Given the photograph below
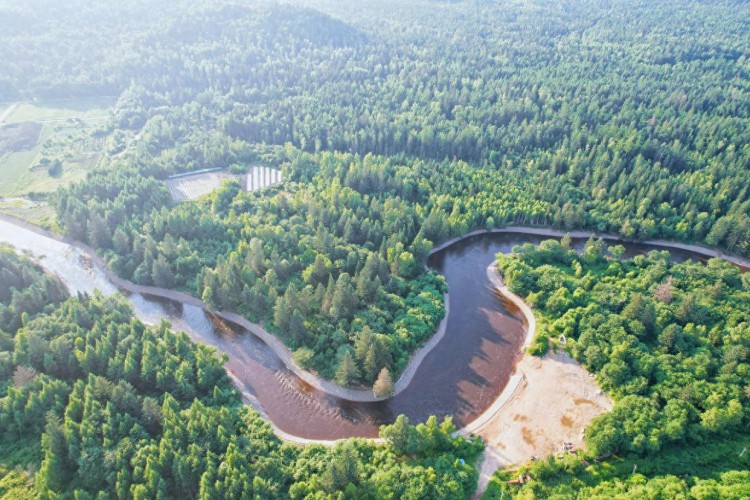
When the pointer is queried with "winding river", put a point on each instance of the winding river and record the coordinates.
(461, 375)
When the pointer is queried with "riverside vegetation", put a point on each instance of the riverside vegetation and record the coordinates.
(498, 132)
(93, 402)
(671, 343)
(441, 117)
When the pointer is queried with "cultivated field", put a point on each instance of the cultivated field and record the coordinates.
(35, 134)
(87, 110)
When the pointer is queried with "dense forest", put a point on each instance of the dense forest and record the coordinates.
(670, 342)
(397, 124)
(399, 138)
(630, 120)
(93, 402)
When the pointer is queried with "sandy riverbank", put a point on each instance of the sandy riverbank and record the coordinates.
(548, 402)
(272, 341)
(555, 401)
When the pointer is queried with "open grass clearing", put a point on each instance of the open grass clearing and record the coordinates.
(36, 212)
(66, 132)
(18, 177)
(19, 136)
(94, 109)
(16, 174)
(19, 460)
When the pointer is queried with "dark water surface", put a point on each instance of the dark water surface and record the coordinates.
(461, 376)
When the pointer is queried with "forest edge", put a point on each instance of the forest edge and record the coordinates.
(359, 395)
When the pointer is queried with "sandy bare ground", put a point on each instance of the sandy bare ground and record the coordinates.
(194, 186)
(555, 401)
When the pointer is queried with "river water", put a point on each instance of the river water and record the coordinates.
(460, 377)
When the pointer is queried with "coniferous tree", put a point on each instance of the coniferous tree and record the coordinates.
(383, 386)
(347, 372)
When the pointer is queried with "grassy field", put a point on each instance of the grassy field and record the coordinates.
(18, 462)
(36, 212)
(68, 135)
(43, 111)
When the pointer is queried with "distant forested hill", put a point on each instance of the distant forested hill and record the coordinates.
(633, 115)
(437, 119)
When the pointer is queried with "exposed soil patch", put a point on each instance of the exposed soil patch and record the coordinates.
(566, 421)
(528, 438)
(194, 186)
(552, 406)
(19, 136)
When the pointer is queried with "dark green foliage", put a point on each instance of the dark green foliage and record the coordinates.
(347, 371)
(24, 288)
(434, 466)
(134, 411)
(313, 262)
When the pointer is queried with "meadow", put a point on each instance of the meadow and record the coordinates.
(70, 133)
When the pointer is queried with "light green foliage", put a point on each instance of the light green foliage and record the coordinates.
(430, 466)
(678, 369)
(713, 469)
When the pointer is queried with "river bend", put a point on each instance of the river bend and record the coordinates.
(461, 376)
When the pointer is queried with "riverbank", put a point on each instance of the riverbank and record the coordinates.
(284, 354)
(517, 378)
(555, 402)
(96, 267)
(557, 233)
(549, 402)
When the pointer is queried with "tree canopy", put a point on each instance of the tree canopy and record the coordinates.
(95, 403)
(677, 364)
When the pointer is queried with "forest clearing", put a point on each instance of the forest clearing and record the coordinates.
(48, 144)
